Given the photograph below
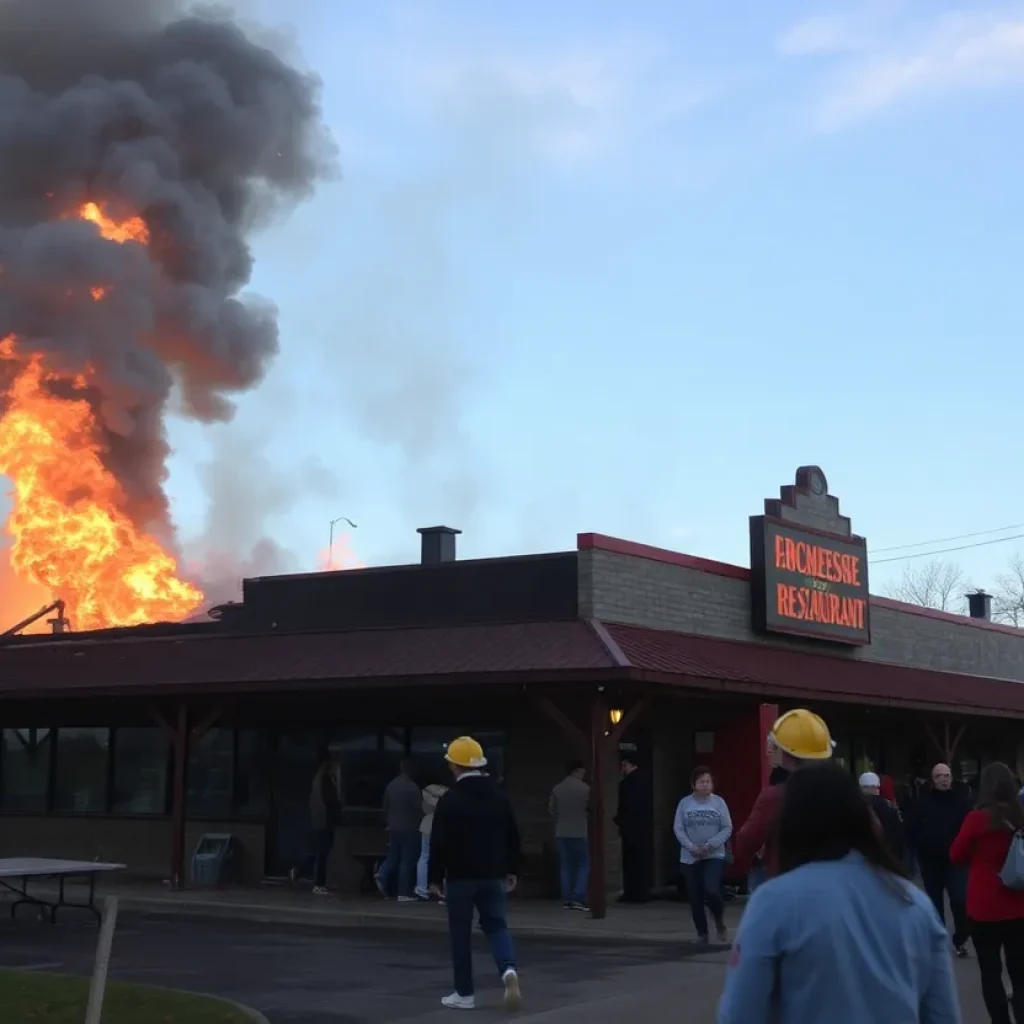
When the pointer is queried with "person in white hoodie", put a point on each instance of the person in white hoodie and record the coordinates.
(703, 826)
(431, 794)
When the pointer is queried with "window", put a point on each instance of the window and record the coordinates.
(252, 761)
(369, 760)
(211, 774)
(82, 770)
(141, 759)
(26, 769)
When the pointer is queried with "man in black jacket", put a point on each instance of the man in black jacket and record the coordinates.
(634, 818)
(475, 850)
(936, 819)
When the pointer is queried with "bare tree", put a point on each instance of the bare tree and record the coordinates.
(1008, 596)
(936, 584)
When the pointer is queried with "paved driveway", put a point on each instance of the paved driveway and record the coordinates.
(300, 975)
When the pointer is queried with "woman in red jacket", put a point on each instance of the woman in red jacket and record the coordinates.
(996, 913)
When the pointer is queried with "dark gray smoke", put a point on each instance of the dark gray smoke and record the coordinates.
(183, 120)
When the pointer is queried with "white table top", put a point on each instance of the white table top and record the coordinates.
(41, 867)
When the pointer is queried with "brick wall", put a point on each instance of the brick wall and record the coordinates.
(644, 592)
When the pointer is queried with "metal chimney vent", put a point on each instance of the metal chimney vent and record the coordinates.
(437, 544)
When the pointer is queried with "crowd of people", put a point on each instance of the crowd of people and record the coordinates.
(835, 928)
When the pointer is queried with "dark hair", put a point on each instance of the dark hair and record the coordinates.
(573, 766)
(700, 770)
(998, 794)
(824, 816)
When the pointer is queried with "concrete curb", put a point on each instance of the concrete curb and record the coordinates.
(315, 917)
(247, 1011)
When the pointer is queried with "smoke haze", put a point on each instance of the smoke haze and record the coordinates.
(184, 120)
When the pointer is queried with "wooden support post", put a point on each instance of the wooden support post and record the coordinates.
(596, 833)
(178, 806)
(199, 730)
(572, 732)
(956, 743)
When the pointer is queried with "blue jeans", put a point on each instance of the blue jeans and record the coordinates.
(423, 866)
(574, 868)
(403, 851)
(756, 877)
(704, 885)
(491, 902)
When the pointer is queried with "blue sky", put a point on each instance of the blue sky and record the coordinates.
(622, 268)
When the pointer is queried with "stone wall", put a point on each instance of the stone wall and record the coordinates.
(661, 594)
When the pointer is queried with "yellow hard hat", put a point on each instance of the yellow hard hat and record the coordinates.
(466, 753)
(802, 734)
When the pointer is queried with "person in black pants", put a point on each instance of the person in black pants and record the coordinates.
(937, 816)
(635, 821)
(325, 816)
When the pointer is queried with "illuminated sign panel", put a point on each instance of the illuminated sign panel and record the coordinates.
(807, 583)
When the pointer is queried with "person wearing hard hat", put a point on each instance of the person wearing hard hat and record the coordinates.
(475, 850)
(798, 737)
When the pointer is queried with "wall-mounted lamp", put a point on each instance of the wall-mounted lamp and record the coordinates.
(615, 715)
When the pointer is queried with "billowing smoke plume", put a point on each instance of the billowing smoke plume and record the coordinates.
(178, 118)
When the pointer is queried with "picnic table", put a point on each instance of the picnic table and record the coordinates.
(15, 870)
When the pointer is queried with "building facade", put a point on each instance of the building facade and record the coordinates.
(130, 744)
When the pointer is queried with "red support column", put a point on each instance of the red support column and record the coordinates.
(178, 807)
(596, 832)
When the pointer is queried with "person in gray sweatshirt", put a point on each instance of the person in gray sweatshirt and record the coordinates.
(403, 812)
(703, 826)
(569, 805)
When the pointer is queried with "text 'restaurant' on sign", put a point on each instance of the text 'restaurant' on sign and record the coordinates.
(809, 584)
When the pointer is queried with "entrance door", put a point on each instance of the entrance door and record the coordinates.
(289, 832)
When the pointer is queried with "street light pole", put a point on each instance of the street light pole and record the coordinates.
(330, 542)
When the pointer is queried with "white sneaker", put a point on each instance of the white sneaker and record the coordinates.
(321, 890)
(513, 997)
(407, 899)
(457, 1002)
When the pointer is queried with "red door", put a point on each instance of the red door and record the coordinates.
(740, 760)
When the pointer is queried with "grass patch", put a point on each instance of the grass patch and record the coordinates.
(29, 997)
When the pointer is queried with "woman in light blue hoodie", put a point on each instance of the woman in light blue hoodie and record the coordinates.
(703, 826)
(840, 935)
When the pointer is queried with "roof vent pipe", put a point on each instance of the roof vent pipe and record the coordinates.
(437, 544)
(979, 605)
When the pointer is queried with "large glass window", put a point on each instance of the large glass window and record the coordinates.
(25, 769)
(211, 774)
(141, 760)
(82, 770)
(252, 765)
(369, 760)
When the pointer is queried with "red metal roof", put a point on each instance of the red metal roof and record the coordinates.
(200, 660)
(780, 672)
(98, 665)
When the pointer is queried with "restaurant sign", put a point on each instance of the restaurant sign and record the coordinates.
(809, 581)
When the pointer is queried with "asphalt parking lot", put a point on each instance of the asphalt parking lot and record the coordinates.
(296, 975)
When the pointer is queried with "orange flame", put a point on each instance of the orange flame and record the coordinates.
(70, 533)
(134, 229)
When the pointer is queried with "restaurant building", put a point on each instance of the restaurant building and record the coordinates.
(129, 744)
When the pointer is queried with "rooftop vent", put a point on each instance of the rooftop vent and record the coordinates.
(437, 544)
(979, 605)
